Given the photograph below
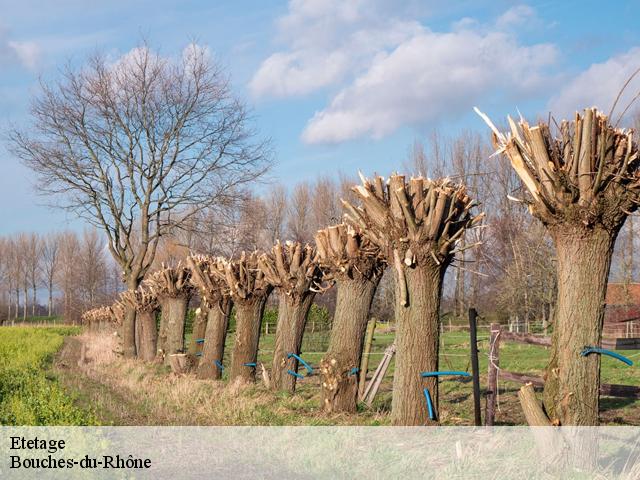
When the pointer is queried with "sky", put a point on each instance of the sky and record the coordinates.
(338, 85)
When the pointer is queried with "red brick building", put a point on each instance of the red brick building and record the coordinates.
(622, 315)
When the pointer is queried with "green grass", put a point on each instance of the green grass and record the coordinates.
(37, 320)
(29, 394)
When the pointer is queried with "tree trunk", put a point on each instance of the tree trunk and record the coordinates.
(26, 301)
(50, 303)
(245, 349)
(174, 313)
(292, 319)
(214, 340)
(162, 336)
(198, 328)
(129, 346)
(148, 335)
(417, 342)
(34, 299)
(572, 381)
(339, 391)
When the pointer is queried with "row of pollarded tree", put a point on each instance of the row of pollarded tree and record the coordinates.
(411, 225)
(581, 181)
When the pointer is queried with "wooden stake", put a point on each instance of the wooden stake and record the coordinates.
(364, 365)
(531, 407)
(374, 385)
(492, 380)
(474, 365)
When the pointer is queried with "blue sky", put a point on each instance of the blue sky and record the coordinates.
(338, 85)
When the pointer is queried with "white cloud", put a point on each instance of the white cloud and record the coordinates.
(515, 16)
(28, 53)
(599, 85)
(387, 70)
(429, 76)
(327, 41)
(14, 52)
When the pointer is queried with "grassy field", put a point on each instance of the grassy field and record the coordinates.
(129, 392)
(106, 389)
(29, 394)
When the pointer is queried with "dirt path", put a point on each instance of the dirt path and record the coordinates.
(108, 405)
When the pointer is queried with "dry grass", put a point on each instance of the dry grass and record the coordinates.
(168, 399)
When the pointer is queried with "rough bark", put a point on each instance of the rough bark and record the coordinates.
(214, 340)
(207, 278)
(148, 334)
(145, 304)
(198, 329)
(245, 348)
(573, 381)
(417, 342)
(174, 312)
(291, 269)
(340, 365)
(292, 319)
(418, 225)
(355, 264)
(172, 287)
(129, 332)
(162, 335)
(583, 181)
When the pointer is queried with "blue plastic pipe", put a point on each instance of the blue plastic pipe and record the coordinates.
(602, 351)
(432, 413)
(304, 364)
(219, 365)
(439, 374)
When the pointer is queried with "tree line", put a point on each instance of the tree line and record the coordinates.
(160, 155)
(55, 274)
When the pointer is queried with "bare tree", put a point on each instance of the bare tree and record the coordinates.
(581, 180)
(139, 146)
(416, 224)
(299, 215)
(276, 201)
(50, 262)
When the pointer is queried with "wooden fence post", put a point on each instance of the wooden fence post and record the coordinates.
(492, 380)
(473, 334)
(364, 363)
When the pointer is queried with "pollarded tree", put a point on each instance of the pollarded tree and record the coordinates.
(291, 269)
(249, 290)
(356, 265)
(214, 291)
(146, 305)
(583, 181)
(416, 225)
(172, 287)
(139, 146)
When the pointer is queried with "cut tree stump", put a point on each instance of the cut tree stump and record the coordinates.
(179, 363)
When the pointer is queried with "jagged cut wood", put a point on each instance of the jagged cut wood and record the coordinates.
(173, 288)
(574, 165)
(215, 293)
(583, 179)
(118, 310)
(145, 303)
(417, 225)
(98, 318)
(290, 268)
(348, 258)
(249, 290)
